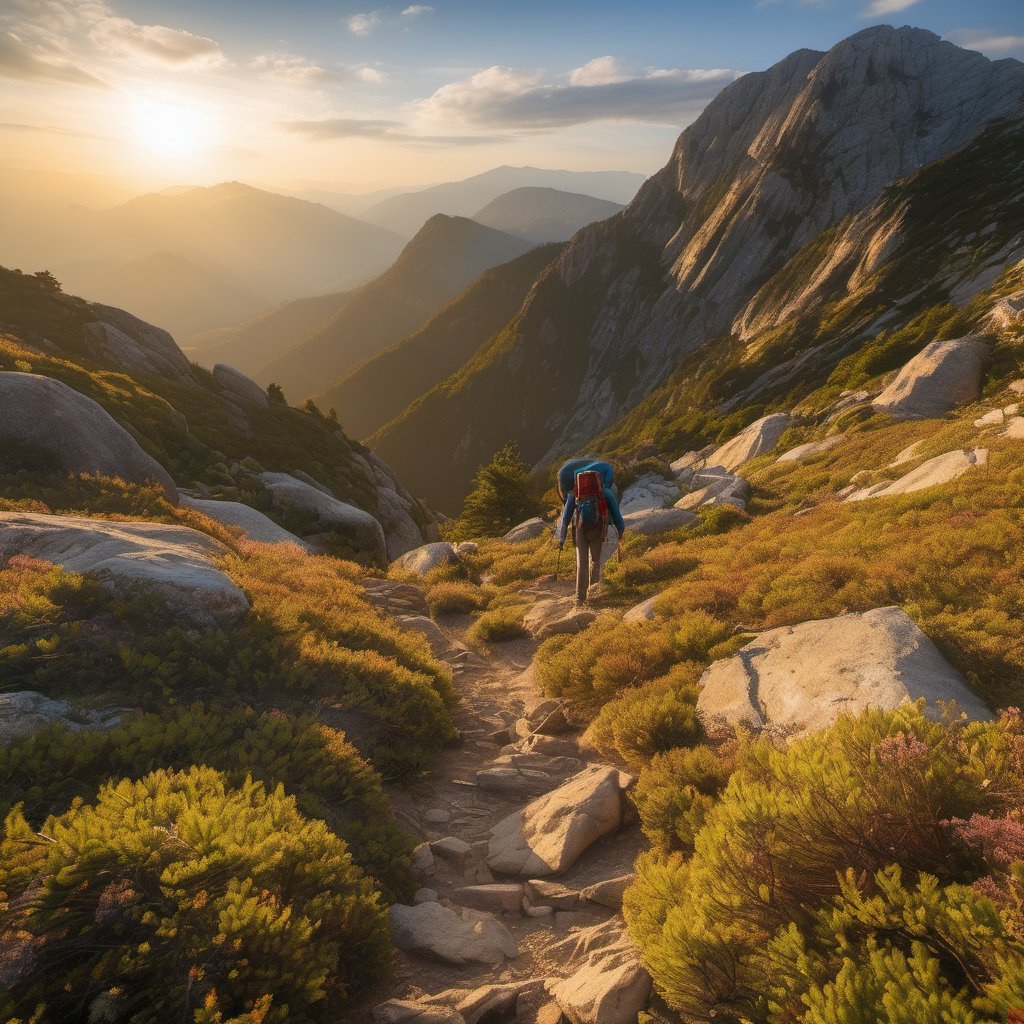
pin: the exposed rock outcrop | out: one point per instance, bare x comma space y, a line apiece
239, 385
941, 376
26, 711
181, 564
651, 491
525, 531
326, 514
426, 557
940, 470
45, 423
761, 436
810, 449
799, 679
254, 523
134, 346
657, 520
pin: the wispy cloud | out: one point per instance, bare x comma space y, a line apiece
415, 10
295, 70
158, 44
20, 60
364, 24
380, 130
882, 8
48, 129
601, 90
986, 42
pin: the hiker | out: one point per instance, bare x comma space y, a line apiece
586, 487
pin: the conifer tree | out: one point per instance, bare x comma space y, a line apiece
500, 498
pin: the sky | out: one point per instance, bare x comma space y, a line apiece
344, 95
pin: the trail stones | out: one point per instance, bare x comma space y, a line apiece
609, 892
609, 985
548, 835
179, 563
557, 615
438, 932
941, 376
799, 679
457, 852
499, 897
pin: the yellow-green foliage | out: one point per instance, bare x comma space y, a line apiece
455, 599
310, 634
180, 897
650, 719
498, 625
938, 798
314, 763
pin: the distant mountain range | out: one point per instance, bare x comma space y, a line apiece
544, 214
380, 388
446, 255
406, 213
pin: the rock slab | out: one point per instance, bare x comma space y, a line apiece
942, 375
27, 711
72, 432
180, 563
252, 522
799, 679
438, 932
941, 470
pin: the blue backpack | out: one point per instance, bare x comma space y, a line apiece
567, 474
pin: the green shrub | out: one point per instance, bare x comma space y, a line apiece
455, 599
793, 824
179, 898
498, 625
604, 659
676, 791
314, 763
650, 719
310, 633
502, 497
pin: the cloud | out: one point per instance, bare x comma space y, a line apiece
48, 129
23, 62
370, 75
882, 8
381, 131
295, 70
415, 10
365, 23
601, 90
985, 41
154, 43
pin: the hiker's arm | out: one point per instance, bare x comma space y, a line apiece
613, 512
563, 526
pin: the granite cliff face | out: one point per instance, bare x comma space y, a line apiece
778, 158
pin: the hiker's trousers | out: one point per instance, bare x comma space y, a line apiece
588, 564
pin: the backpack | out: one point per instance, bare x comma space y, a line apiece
567, 474
591, 505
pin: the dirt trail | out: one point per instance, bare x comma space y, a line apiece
495, 688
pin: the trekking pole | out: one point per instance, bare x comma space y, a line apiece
558, 561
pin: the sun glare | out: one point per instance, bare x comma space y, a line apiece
171, 130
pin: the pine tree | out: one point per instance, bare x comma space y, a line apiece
500, 498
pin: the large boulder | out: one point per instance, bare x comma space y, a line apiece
439, 933
657, 520
940, 470
26, 711
69, 431
238, 385
810, 449
942, 375
799, 679
651, 490
253, 523
407, 524
548, 835
761, 436
609, 985
426, 557
528, 530
326, 514
709, 489
124, 342
181, 564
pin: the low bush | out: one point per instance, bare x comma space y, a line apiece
498, 625
178, 897
314, 763
649, 719
455, 599
810, 827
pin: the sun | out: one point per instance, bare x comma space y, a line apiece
171, 130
